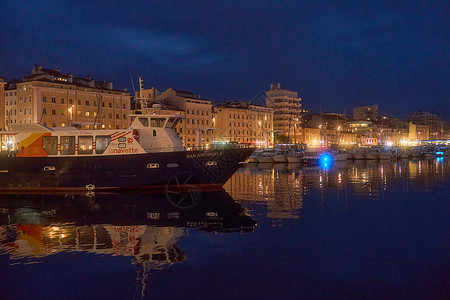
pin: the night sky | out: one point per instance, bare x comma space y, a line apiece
335, 54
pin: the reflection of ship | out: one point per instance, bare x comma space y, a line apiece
135, 227
114, 224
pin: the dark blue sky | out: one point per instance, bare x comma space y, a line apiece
336, 54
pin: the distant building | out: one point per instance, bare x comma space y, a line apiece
287, 119
330, 126
55, 99
369, 113
2, 103
239, 121
437, 127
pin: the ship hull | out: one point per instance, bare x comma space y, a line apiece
181, 171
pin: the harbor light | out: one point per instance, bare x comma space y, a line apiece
325, 160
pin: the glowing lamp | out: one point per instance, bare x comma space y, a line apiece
325, 160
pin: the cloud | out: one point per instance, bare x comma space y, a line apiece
159, 48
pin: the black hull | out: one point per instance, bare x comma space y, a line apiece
175, 172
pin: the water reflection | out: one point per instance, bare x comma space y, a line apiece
284, 188
137, 225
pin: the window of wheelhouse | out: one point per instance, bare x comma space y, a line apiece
144, 121
101, 143
157, 122
67, 145
85, 145
172, 123
50, 144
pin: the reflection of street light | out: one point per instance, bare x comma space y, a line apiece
338, 129
214, 126
70, 112
262, 135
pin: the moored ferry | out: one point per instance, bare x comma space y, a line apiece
149, 155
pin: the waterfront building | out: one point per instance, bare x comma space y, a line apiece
418, 132
437, 127
330, 126
2, 102
55, 99
312, 137
241, 122
368, 112
287, 119
348, 139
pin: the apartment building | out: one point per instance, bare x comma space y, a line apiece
55, 99
241, 122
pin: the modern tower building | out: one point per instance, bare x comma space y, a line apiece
287, 117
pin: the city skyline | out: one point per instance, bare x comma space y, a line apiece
336, 56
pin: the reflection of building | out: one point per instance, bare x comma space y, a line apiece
281, 189
284, 188
55, 99
241, 122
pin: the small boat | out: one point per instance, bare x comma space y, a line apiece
295, 156
373, 154
311, 156
340, 155
254, 157
280, 156
401, 153
149, 155
429, 152
359, 154
417, 152
441, 151
385, 154
266, 156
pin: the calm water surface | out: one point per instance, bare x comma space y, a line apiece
355, 230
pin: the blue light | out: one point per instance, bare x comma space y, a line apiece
440, 153
325, 160
440, 159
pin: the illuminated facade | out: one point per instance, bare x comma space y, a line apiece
311, 136
287, 119
240, 122
2, 102
58, 100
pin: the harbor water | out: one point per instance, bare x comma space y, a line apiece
363, 229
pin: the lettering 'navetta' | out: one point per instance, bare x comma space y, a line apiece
149, 155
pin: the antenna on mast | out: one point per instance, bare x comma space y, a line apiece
132, 83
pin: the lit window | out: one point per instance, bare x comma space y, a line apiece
67, 145
85, 144
50, 144
101, 143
